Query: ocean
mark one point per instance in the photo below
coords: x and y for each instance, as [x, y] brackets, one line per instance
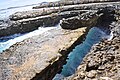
[8, 7]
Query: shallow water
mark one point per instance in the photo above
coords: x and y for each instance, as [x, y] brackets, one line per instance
[76, 56]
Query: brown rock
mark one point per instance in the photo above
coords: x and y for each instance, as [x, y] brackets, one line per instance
[43, 54]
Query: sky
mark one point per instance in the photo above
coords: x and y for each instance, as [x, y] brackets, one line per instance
[12, 3]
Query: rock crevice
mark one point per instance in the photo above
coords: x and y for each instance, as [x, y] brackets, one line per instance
[42, 56]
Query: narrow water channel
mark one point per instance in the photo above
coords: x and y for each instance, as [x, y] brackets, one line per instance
[75, 57]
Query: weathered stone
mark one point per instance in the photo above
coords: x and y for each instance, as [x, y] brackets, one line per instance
[102, 67]
[31, 14]
[68, 2]
[46, 11]
[26, 21]
[43, 54]
[85, 19]
[30, 22]
[91, 74]
[105, 62]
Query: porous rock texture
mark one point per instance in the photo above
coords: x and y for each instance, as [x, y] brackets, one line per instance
[42, 54]
[103, 61]
[69, 2]
[26, 21]
[86, 19]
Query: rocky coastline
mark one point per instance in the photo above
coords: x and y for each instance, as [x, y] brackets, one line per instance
[39, 55]
[26, 21]
[70, 2]
[103, 61]
[22, 23]
[42, 57]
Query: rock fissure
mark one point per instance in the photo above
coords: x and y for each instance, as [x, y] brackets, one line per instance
[42, 57]
[102, 60]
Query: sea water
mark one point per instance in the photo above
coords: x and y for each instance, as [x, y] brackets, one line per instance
[6, 42]
[75, 57]
[8, 7]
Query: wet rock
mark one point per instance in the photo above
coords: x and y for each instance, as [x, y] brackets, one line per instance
[30, 24]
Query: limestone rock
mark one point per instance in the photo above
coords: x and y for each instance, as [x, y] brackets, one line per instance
[103, 62]
[91, 74]
[85, 19]
[29, 22]
[26, 21]
[39, 57]
[68, 2]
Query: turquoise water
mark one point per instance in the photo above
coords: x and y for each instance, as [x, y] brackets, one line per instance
[76, 56]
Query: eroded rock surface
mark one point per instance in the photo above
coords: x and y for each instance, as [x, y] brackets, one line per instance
[86, 19]
[26, 21]
[69, 2]
[41, 57]
[103, 61]
[24, 60]
[32, 20]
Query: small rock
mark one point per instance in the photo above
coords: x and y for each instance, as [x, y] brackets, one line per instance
[91, 74]
[82, 74]
[101, 67]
